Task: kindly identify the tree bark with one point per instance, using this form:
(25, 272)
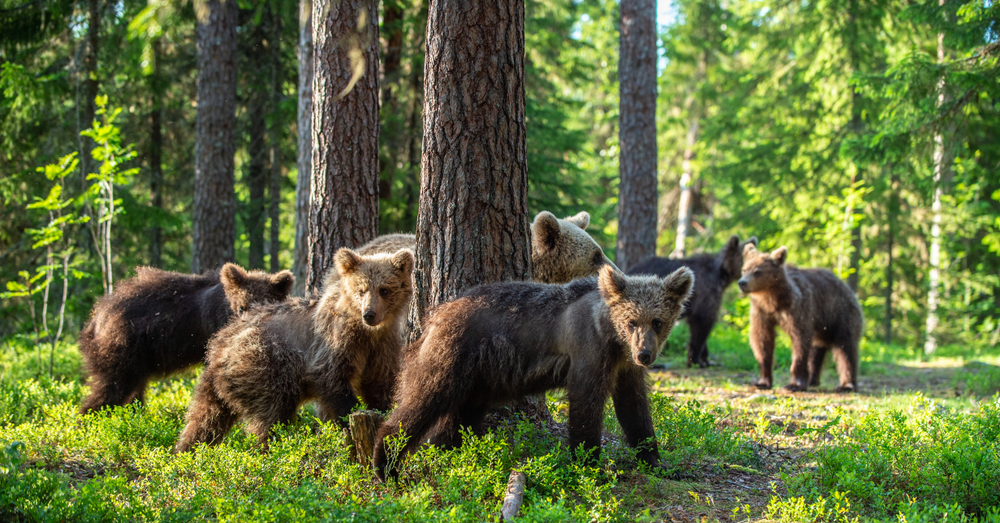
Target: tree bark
(472, 226)
(684, 205)
(277, 124)
(90, 88)
(257, 171)
(637, 133)
(214, 229)
(390, 118)
(343, 201)
(934, 277)
(156, 156)
(304, 160)
(857, 128)
(893, 215)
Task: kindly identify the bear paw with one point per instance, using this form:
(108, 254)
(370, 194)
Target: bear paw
(763, 385)
(844, 388)
(795, 387)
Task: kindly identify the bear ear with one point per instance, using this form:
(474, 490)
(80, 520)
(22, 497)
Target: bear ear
(679, 284)
(780, 254)
(403, 261)
(749, 248)
(751, 240)
(732, 245)
(347, 261)
(580, 219)
(232, 275)
(610, 282)
(545, 231)
(282, 282)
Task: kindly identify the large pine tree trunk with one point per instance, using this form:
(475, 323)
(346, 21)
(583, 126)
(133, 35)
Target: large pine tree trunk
(156, 156)
(343, 203)
(301, 261)
(472, 226)
(637, 133)
(214, 228)
(277, 124)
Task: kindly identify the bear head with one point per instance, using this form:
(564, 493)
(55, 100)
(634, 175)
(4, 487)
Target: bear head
(246, 288)
(731, 258)
(376, 288)
(762, 271)
(562, 251)
(644, 309)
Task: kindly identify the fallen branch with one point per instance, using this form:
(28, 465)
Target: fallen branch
(515, 495)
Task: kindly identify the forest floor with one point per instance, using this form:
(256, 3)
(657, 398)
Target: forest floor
(917, 443)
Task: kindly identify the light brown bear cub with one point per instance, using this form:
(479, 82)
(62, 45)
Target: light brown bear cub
(502, 341)
(332, 350)
(814, 307)
(159, 322)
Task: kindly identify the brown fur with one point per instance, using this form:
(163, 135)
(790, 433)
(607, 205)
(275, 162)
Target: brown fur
(561, 250)
(344, 345)
(159, 322)
(503, 341)
(816, 309)
(713, 274)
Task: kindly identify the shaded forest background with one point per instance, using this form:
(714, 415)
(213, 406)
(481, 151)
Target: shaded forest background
(842, 129)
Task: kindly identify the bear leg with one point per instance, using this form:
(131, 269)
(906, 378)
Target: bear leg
(701, 329)
(817, 356)
(801, 349)
(116, 390)
(631, 401)
(762, 343)
(208, 418)
(414, 418)
(846, 356)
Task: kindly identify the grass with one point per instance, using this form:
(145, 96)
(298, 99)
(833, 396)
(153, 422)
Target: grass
(919, 443)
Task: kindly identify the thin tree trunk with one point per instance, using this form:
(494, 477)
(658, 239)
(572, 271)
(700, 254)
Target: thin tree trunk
(684, 205)
(415, 129)
(934, 277)
(275, 135)
(257, 171)
(301, 261)
(214, 228)
(472, 226)
(156, 157)
(392, 121)
(893, 215)
(637, 133)
(90, 88)
(857, 128)
(343, 202)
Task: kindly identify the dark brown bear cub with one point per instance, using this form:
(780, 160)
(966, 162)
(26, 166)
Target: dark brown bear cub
(263, 366)
(713, 273)
(502, 341)
(816, 309)
(159, 322)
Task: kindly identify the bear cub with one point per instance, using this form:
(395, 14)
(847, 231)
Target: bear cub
(503, 341)
(159, 322)
(713, 273)
(263, 366)
(814, 307)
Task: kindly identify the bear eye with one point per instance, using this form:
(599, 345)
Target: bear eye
(598, 259)
(631, 324)
(383, 292)
(657, 325)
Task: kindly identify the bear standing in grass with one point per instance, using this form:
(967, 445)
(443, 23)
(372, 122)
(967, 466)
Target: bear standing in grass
(159, 322)
(346, 344)
(815, 308)
(713, 273)
(502, 341)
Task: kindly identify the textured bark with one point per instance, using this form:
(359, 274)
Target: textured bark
(343, 201)
(156, 156)
(473, 225)
(214, 229)
(274, 189)
(301, 261)
(637, 133)
(89, 88)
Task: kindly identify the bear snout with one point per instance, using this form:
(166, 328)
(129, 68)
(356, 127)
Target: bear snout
(644, 358)
(744, 284)
(369, 317)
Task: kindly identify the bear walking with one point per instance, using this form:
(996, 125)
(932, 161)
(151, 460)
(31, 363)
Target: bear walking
(502, 341)
(816, 309)
(263, 366)
(713, 273)
(159, 322)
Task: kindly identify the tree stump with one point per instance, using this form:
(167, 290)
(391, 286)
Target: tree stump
(362, 426)
(514, 496)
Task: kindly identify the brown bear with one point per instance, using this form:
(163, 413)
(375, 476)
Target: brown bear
(503, 341)
(816, 309)
(159, 322)
(713, 273)
(561, 250)
(346, 344)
